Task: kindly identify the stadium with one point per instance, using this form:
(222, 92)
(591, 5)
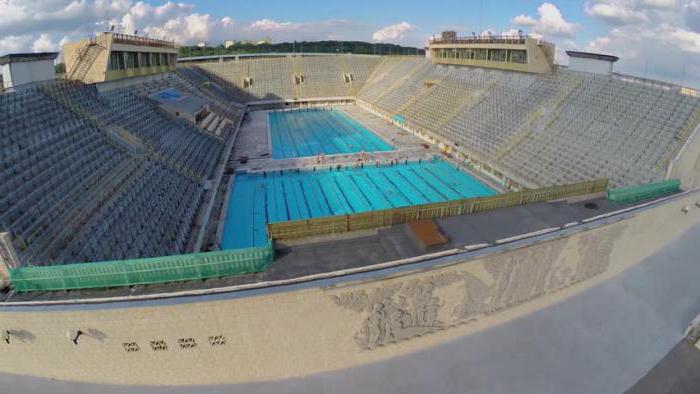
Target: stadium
(168, 219)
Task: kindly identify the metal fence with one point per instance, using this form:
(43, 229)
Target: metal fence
(142, 271)
(375, 219)
(643, 192)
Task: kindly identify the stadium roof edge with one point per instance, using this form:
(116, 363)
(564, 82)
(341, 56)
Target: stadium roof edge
(595, 56)
(27, 57)
(268, 54)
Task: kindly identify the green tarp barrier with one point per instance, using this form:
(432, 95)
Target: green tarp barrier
(644, 192)
(143, 271)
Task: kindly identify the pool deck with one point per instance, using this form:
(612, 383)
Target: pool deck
(366, 249)
(253, 143)
(396, 243)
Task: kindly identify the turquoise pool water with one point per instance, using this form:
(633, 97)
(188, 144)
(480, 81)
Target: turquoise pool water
(257, 199)
(312, 131)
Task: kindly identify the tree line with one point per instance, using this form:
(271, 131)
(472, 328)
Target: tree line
(355, 47)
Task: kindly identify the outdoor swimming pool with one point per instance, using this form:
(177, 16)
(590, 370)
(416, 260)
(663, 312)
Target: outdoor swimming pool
(257, 198)
(308, 132)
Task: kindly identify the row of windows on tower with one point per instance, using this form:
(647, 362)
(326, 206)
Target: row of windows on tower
(122, 60)
(493, 55)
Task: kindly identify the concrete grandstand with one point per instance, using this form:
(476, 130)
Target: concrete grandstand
(351, 208)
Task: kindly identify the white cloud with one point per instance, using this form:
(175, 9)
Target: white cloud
(23, 22)
(653, 38)
(692, 15)
(617, 12)
(270, 25)
(44, 44)
(48, 16)
(688, 41)
(550, 22)
(662, 52)
(392, 32)
(659, 3)
(510, 33)
(15, 43)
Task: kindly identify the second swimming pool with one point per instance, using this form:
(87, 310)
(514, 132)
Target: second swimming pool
(261, 198)
(309, 132)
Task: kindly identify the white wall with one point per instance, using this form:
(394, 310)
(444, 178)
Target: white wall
(590, 65)
(6, 82)
(22, 73)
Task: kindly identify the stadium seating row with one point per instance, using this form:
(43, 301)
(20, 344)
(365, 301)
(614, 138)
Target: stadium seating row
(69, 192)
(289, 77)
(548, 129)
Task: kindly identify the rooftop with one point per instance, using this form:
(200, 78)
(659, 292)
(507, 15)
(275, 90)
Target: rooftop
(474, 39)
(179, 101)
(595, 56)
(129, 39)
(27, 57)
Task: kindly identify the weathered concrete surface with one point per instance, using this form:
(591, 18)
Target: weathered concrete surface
(677, 373)
(600, 341)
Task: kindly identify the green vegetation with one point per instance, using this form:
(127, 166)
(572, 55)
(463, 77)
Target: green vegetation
(355, 47)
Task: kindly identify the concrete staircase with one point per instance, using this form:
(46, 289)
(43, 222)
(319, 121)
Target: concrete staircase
(86, 59)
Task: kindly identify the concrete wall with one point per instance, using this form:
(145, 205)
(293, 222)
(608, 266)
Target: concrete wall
(98, 68)
(590, 65)
(298, 329)
(6, 81)
(686, 166)
(22, 73)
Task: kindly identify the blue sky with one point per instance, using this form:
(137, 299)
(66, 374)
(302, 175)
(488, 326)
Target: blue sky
(654, 38)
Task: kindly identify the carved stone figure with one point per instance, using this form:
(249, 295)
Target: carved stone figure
(404, 310)
(476, 296)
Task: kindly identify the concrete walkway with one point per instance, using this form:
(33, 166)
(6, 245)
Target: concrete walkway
(603, 340)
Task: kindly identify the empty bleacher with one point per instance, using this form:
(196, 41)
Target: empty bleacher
(295, 77)
(442, 101)
(391, 71)
(66, 185)
(151, 217)
(359, 68)
(606, 128)
(547, 129)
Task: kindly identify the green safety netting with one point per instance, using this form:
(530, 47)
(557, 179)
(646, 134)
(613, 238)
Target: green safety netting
(143, 271)
(643, 192)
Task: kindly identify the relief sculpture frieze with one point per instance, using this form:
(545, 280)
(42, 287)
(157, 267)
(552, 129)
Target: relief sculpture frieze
(409, 308)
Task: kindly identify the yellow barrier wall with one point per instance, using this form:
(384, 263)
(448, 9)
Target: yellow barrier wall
(374, 219)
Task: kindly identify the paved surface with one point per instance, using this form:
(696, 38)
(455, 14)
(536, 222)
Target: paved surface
(396, 243)
(389, 132)
(252, 140)
(600, 341)
(677, 373)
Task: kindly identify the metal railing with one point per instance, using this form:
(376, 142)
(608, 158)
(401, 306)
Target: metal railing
(480, 40)
(120, 38)
(383, 218)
